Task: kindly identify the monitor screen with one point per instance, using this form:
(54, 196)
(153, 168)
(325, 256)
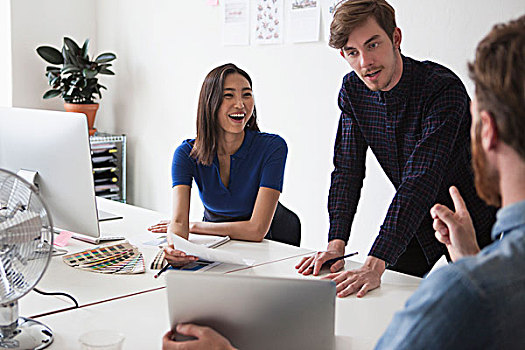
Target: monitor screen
(56, 145)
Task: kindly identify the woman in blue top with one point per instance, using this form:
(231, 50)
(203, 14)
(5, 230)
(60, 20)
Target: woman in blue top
(238, 169)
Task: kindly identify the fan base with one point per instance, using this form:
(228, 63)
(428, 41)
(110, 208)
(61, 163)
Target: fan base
(29, 334)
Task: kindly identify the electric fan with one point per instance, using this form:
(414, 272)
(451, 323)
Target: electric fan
(26, 240)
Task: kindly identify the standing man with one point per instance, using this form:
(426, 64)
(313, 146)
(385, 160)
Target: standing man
(415, 118)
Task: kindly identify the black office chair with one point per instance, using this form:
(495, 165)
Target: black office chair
(285, 227)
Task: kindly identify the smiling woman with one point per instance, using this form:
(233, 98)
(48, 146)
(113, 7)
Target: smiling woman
(238, 169)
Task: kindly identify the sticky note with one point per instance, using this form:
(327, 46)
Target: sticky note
(62, 239)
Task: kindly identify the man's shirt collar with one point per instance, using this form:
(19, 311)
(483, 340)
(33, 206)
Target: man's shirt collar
(508, 218)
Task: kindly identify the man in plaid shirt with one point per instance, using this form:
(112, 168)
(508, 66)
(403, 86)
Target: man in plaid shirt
(415, 118)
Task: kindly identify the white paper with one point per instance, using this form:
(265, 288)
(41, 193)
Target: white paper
(328, 9)
(209, 241)
(207, 253)
(236, 22)
(305, 20)
(268, 17)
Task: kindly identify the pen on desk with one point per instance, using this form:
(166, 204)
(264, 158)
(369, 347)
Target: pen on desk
(333, 260)
(167, 266)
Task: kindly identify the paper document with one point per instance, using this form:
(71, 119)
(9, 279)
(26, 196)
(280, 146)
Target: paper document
(236, 23)
(209, 241)
(207, 253)
(305, 16)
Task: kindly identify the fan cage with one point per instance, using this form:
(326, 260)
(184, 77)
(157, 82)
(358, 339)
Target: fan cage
(26, 237)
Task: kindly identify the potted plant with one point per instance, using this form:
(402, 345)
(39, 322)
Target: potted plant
(75, 77)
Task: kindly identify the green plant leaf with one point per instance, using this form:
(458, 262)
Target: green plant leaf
(69, 68)
(84, 52)
(106, 71)
(50, 54)
(105, 57)
(53, 69)
(51, 94)
(72, 46)
(65, 56)
(88, 73)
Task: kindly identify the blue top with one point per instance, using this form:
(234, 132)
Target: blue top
(259, 162)
(476, 303)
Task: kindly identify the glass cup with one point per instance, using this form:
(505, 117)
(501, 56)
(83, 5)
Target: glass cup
(101, 340)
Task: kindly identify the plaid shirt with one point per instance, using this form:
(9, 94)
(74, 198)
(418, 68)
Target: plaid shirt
(420, 133)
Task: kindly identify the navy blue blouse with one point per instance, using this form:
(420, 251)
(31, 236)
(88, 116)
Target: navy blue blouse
(259, 162)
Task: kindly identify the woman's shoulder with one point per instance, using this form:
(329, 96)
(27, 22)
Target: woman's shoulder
(185, 147)
(264, 138)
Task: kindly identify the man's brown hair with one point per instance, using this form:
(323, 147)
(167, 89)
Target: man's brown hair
(210, 100)
(352, 13)
(499, 74)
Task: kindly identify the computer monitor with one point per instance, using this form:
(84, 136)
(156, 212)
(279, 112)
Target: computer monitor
(56, 146)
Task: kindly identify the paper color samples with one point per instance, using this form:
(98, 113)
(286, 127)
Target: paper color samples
(120, 258)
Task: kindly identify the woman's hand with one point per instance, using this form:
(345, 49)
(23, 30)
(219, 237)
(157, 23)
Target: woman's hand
(176, 257)
(161, 227)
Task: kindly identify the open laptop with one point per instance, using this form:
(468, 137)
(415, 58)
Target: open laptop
(256, 312)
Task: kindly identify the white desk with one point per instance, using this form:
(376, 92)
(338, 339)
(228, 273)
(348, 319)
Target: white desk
(361, 320)
(135, 306)
(89, 287)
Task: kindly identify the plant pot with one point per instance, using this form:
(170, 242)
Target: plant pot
(90, 110)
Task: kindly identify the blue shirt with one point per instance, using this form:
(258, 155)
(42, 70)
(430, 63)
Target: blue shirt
(476, 303)
(419, 132)
(259, 162)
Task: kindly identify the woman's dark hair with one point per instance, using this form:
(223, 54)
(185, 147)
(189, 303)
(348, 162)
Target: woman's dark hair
(210, 100)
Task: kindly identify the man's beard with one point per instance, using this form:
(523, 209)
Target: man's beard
(486, 178)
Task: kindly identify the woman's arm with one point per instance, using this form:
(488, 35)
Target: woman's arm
(252, 230)
(179, 225)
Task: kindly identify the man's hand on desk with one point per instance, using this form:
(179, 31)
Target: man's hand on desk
(335, 249)
(207, 339)
(361, 280)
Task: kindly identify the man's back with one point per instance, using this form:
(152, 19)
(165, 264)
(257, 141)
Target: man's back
(476, 303)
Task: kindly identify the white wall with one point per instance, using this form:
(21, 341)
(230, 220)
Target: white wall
(166, 47)
(35, 23)
(5, 53)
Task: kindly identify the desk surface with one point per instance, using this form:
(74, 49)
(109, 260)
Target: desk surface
(136, 304)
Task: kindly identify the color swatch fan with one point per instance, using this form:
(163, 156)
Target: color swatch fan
(26, 240)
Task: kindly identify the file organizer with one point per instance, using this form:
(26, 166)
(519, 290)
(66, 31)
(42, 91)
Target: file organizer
(108, 155)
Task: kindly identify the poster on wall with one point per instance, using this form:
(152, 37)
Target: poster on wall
(305, 20)
(328, 9)
(236, 22)
(268, 16)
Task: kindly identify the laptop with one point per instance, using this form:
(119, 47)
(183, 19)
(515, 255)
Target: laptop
(256, 312)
